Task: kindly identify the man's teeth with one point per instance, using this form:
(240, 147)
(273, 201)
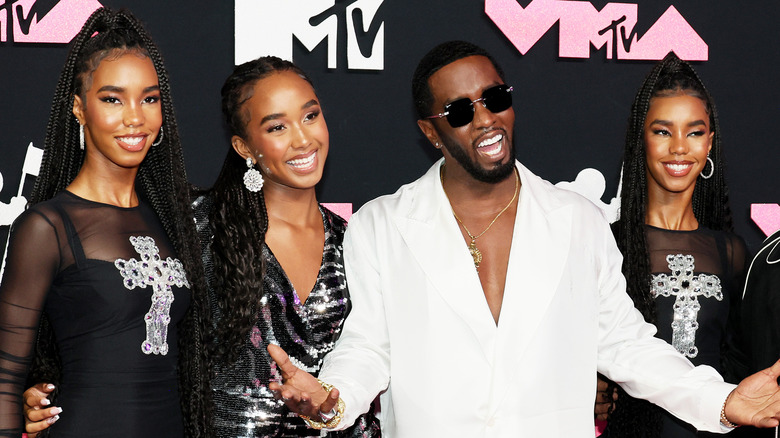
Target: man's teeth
(677, 167)
(132, 140)
(490, 141)
(302, 162)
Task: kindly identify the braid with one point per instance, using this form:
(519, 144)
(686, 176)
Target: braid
(161, 181)
(239, 220)
(671, 76)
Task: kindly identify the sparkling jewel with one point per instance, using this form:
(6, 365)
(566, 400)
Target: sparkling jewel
(686, 287)
(160, 275)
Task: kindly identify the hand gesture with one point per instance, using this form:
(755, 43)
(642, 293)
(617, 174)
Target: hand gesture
(756, 401)
(301, 391)
(604, 400)
(37, 415)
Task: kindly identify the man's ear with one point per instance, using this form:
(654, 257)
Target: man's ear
(427, 128)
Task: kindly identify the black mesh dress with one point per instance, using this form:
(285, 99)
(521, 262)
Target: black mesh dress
(696, 281)
(307, 331)
(113, 291)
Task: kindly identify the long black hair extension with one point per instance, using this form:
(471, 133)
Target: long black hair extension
(239, 219)
(161, 181)
(671, 76)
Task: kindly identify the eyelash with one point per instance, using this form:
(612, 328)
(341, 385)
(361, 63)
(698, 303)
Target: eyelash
(666, 132)
(116, 100)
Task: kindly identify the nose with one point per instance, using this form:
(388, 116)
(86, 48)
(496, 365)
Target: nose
(301, 139)
(483, 117)
(133, 115)
(678, 145)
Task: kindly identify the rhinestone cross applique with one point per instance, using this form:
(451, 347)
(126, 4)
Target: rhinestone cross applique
(687, 288)
(160, 275)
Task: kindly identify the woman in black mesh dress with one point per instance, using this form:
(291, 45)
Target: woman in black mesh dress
(683, 264)
(104, 267)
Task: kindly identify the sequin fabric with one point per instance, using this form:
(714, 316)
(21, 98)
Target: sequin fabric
(160, 275)
(686, 288)
(244, 406)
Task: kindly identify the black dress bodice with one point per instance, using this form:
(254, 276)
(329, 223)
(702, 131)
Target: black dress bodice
(113, 291)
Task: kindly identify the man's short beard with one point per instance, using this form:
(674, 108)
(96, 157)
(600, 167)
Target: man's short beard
(498, 173)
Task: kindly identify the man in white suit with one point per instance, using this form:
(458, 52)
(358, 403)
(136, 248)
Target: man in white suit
(486, 299)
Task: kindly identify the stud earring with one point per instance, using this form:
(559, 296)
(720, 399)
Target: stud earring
(81, 136)
(159, 138)
(253, 180)
(712, 168)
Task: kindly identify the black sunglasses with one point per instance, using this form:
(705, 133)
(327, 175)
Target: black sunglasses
(461, 112)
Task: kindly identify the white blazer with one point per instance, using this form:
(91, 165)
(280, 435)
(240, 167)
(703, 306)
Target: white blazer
(421, 330)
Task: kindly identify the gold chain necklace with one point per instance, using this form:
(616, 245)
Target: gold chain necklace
(476, 254)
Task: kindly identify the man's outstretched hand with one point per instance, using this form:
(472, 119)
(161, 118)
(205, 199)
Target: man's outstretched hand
(300, 391)
(756, 401)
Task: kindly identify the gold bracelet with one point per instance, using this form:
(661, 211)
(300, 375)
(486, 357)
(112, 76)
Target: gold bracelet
(723, 420)
(331, 423)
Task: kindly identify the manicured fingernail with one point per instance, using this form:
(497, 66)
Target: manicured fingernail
(53, 419)
(57, 410)
(50, 387)
(45, 402)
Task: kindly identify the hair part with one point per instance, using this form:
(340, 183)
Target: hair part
(440, 56)
(161, 181)
(239, 88)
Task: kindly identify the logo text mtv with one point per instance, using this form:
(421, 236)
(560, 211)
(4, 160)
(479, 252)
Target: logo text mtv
(582, 25)
(30, 21)
(260, 33)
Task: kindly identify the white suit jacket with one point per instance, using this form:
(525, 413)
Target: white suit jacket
(421, 331)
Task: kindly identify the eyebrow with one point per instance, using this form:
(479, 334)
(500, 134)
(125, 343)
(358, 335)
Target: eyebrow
(273, 116)
(115, 89)
(699, 122)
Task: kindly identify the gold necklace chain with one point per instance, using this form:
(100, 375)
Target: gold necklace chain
(476, 254)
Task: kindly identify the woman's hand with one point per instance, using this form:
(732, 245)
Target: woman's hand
(604, 400)
(301, 391)
(37, 413)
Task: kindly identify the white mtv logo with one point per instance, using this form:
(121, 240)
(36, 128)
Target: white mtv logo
(267, 27)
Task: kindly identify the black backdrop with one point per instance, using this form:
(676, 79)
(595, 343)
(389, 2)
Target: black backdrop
(571, 113)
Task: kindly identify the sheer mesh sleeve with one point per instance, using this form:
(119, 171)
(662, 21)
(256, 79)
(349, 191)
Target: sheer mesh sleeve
(734, 360)
(31, 265)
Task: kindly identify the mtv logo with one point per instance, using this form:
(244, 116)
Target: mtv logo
(267, 27)
(30, 21)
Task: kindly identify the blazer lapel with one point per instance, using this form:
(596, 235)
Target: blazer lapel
(434, 240)
(540, 249)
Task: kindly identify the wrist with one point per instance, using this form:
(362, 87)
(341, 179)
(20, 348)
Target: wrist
(723, 419)
(330, 419)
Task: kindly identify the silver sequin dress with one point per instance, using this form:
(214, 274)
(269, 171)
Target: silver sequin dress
(244, 406)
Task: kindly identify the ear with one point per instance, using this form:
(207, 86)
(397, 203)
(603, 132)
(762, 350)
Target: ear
(427, 128)
(241, 148)
(78, 109)
(709, 147)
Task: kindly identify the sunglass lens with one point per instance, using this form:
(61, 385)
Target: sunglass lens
(459, 112)
(498, 98)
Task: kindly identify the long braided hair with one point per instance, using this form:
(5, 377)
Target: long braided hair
(671, 76)
(161, 180)
(239, 218)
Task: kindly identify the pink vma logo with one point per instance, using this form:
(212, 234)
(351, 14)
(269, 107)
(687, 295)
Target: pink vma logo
(32, 21)
(582, 25)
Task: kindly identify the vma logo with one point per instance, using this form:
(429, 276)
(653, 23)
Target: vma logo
(41, 21)
(267, 27)
(582, 25)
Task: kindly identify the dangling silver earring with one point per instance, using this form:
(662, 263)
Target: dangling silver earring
(712, 169)
(159, 138)
(253, 180)
(81, 136)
